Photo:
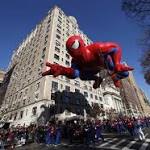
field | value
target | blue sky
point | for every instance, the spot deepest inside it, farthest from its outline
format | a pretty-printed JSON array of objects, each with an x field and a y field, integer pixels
[{"x": 101, "y": 20}]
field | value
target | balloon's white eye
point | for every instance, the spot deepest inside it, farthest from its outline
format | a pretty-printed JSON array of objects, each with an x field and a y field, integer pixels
[{"x": 76, "y": 44}]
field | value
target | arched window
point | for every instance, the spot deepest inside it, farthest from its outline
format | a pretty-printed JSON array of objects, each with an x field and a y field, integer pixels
[{"x": 34, "y": 110}]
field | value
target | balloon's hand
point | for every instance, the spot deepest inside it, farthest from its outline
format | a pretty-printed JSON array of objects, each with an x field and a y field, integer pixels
[{"x": 54, "y": 70}]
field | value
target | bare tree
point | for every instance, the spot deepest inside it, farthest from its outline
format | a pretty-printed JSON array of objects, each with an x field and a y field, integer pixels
[
  {"x": 139, "y": 10},
  {"x": 145, "y": 57},
  {"x": 145, "y": 63}
]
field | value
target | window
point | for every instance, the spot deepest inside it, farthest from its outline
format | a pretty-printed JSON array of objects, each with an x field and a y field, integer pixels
[
  {"x": 53, "y": 96},
  {"x": 11, "y": 115},
  {"x": 77, "y": 90},
  {"x": 58, "y": 31},
  {"x": 67, "y": 56},
  {"x": 24, "y": 102},
  {"x": 60, "y": 17},
  {"x": 54, "y": 86},
  {"x": 44, "y": 49},
  {"x": 77, "y": 83},
  {"x": 100, "y": 98},
  {"x": 43, "y": 52},
  {"x": 101, "y": 106},
  {"x": 26, "y": 76},
  {"x": 49, "y": 20},
  {"x": 56, "y": 56},
  {"x": 57, "y": 49},
  {"x": 36, "y": 96},
  {"x": 86, "y": 94},
  {"x": 57, "y": 43},
  {"x": 45, "y": 42},
  {"x": 18, "y": 104},
  {"x": 41, "y": 65},
  {"x": 67, "y": 27},
  {"x": 67, "y": 63},
  {"x": 96, "y": 97},
  {"x": 67, "y": 33},
  {"x": 67, "y": 21},
  {"x": 46, "y": 37},
  {"x": 91, "y": 95},
  {"x": 57, "y": 36},
  {"x": 20, "y": 95},
  {"x": 34, "y": 110},
  {"x": 67, "y": 88},
  {"x": 58, "y": 25},
  {"x": 60, "y": 13},
  {"x": 47, "y": 30},
  {"x": 21, "y": 114},
  {"x": 59, "y": 21},
  {"x": 37, "y": 86},
  {"x": 55, "y": 62},
  {"x": 15, "y": 117}
]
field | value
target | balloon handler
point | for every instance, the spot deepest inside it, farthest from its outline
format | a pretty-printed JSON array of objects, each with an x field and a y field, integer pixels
[{"x": 89, "y": 60}]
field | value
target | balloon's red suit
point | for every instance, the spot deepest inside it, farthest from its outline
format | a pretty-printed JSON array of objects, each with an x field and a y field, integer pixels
[{"x": 88, "y": 60}]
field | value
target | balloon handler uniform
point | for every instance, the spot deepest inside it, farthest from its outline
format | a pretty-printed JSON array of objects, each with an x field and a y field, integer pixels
[{"x": 89, "y": 60}]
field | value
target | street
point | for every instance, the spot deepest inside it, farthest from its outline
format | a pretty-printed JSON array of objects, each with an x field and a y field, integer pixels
[{"x": 113, "y": 142}]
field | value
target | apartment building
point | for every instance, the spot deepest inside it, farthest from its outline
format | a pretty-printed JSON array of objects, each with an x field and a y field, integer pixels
[
  {"x": 2, "y": 90},
  {"x": 2, "y": 73},
  {"x": 130, "y": 95},
  {"x": 145, "y": 102},
  {"x": 29, "y": 94}
]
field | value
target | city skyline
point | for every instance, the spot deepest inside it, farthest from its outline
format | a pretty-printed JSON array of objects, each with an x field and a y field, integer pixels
[{"x": 117, "y": 26}]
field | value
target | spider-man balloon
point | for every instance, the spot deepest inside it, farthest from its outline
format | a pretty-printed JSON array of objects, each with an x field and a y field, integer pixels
[{"x": 88, "y": 60}]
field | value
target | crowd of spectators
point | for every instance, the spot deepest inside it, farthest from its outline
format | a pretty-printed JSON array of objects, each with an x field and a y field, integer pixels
[{"x": 89, "y": 132}]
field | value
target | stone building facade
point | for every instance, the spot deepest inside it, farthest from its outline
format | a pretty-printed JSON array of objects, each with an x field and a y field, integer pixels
[{"x": 29, "y": 94}]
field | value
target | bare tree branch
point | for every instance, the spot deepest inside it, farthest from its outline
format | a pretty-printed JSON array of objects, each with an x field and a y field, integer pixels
[{"x": 139, "y": 10}]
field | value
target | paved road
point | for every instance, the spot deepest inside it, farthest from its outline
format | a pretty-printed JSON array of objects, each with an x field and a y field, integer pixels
[{"x": 112, "y": 142}]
